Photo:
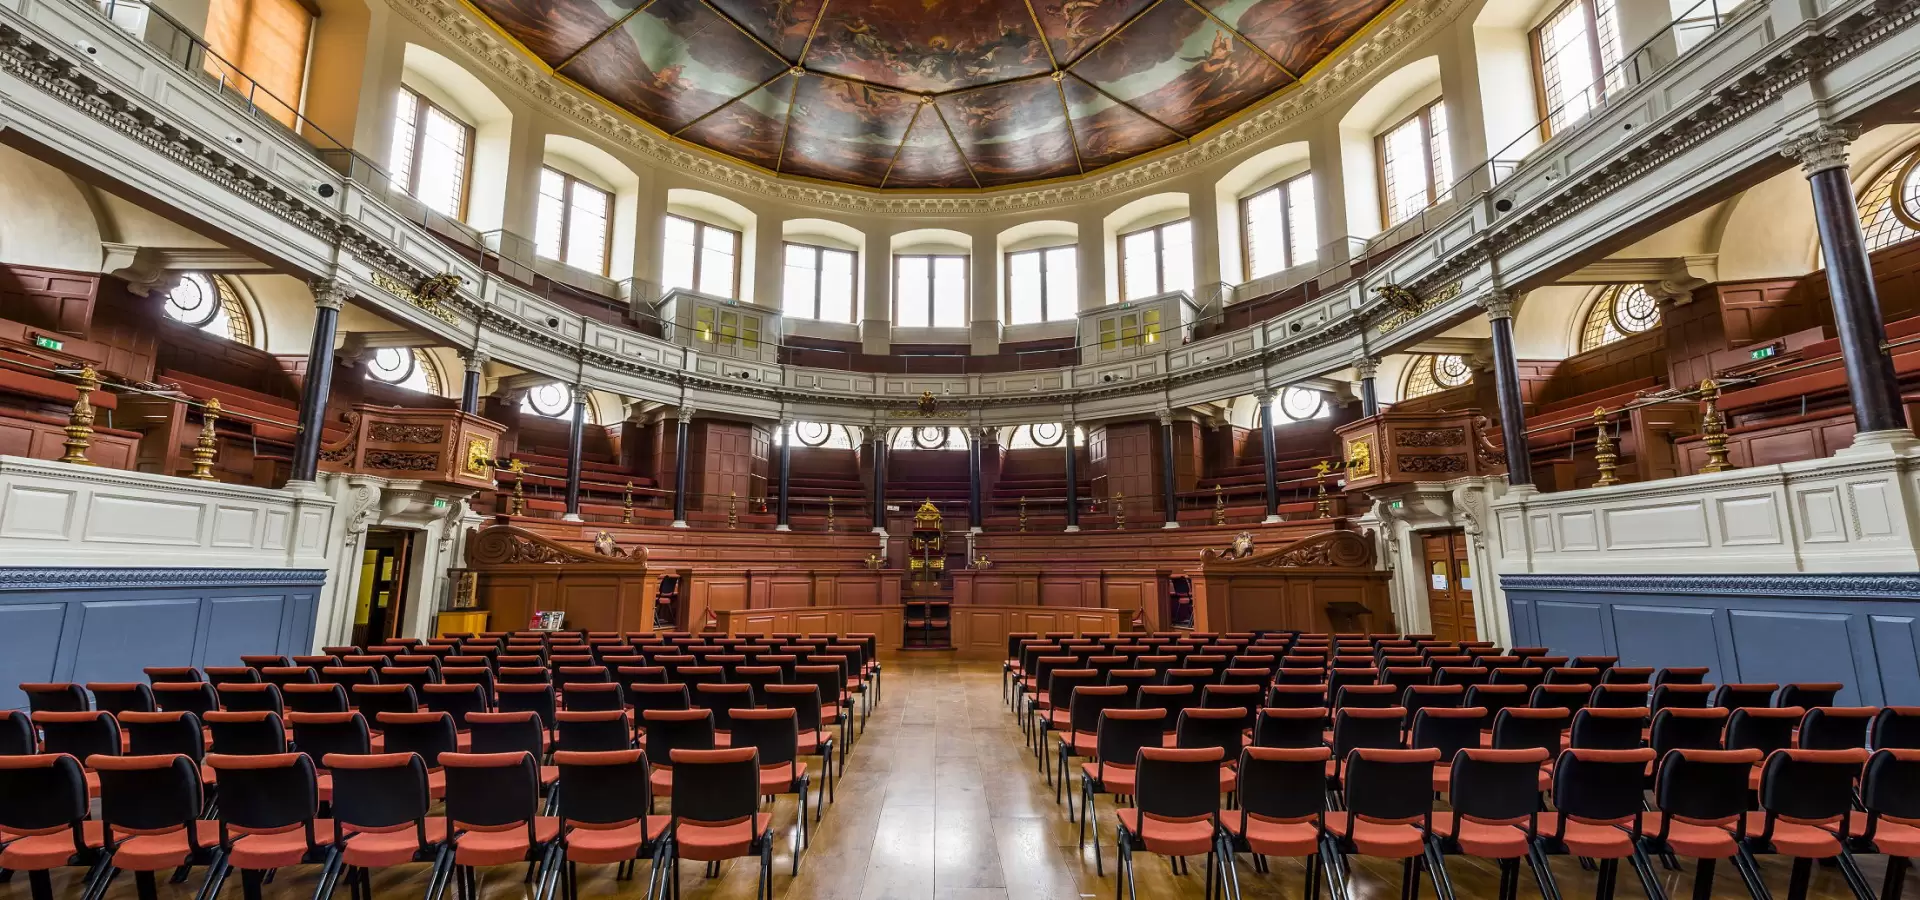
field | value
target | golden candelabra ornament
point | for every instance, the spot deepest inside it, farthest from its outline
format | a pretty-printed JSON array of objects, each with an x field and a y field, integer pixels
[
  {"x": 733, "y": 510},
  {"x": 204, "y": 448},
  {"x": 517, "y": 505},
  {"x": 1120, "y": 512},
  {"x": 1322, "y": 503},
  {"x": 829, "y": 512},
  {"x": 1023, "y": 514},
  {"x": 1713, "y": 429},
  {"x": 1219, "y": 506},
  {"x": 1604, "y": 457},
  {"x": 80, "y": 422},
  {"x": 626, "y": 505}
]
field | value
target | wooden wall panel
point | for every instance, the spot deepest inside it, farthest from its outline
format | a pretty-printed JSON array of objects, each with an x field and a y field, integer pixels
[
  {"x": 50, "y": 299},
  {"x": 1133, "y": 465}
]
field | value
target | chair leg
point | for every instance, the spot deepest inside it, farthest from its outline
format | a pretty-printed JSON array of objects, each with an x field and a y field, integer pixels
[
  {"x": 40, "y": 884},
  {"x": 1750, "y": 873},
  {"x": 1649, "y": 882},
  {"x": 1212, "y": 860},
  {"x": 1131, "y": 893},
  {"x": 1437, "y": 871},
  {"x": 1896, "y": 877},
  {"x": 1796, "y": 884},
  {"x": 1542, "y": 874},
  {"x": 1703, "y": 879},
  {"x": 1856, "y": 880}
]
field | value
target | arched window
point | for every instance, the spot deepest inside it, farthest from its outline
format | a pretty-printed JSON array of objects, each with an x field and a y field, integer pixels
[
  {"x": 1433, "y": 373},
  {"x": 816, "y": 435},
  {"x": 1298, "y": 404},
  {"x": 407, "y": 367},
  {"x": 1043, "y": 436},
  {"x": 929, "y": 437},
  {"x": 208, "y": 302},
  {"x": 552, "y": 400},
  {"x": 1890, "y": 207},
  {"x": 1619, "y": 311}
]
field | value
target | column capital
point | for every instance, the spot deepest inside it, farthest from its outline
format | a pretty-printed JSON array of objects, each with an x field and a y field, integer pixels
[
  {"x": 1165, "y": 416},
  {"x": 1366, "y": 366},
  {"x": 328, "y": 293},
  {"x": 1498, "y": 303},
  {"x": 476, "y": 359},
  {"x": 1820, "y": 148},
  {"x": 683, "y": 414}
]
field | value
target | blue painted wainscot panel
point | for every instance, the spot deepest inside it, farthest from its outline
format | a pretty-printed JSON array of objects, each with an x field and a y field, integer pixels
[
  {"x": 86, "y": 624},
  {"x": 1861, "y": 630}
]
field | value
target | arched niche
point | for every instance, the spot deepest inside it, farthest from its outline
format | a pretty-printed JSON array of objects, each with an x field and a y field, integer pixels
[
  {"x": 464, "y": 95},
  {"x": 1392, "y": 98},
  {"x": 1145, "y": 212},
  {"x": 603, "y": 170},
  {"x": 714, "y": 209},
  {"x": 1256, "y": 173}
]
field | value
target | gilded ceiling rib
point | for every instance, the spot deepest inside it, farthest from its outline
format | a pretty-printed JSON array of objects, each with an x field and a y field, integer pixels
[
  {"x": 812, "y": 30},
  {"x": 784, "y": 62},
  {"x": 750, "y": 92},
  {"x": 1066, "y": 115},
  {"x": 596, "y": 38},
  {"x": 1243, "y": 39},
  {"x": 1102, "y": 42},
  {"x": 787, "y": 132},
  {"x": 1041, "y": 32},
  {"x": 904, "y": 138},
  {"x": 1130, "y": 107},
  {"x": 956, "y": 143}
]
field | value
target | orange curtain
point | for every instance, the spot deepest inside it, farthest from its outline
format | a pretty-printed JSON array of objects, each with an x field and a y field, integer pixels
[{"x": 263, "y": 50}]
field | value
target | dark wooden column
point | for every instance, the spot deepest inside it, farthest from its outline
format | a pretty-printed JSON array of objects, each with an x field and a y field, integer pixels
[
  {"x": 1169, "y": 494},
  {"x": 1871, "y": 383},
  {"x": 576, "y": 435},
  {"x": 1073, "y": 486},
  {"x": 683, "y": 418},
  {"x": 880, "y": 479},
  {"x": 1269, "y": 466},
  {"x": 781, "y": 521},
  {"x": 1367, "y": 366},
  {"x": 328, "y": 297},
  {"x": 975, "y": 515},
  {"x": 470, "y": 389},
  {"x": 1506, "y": 384}
]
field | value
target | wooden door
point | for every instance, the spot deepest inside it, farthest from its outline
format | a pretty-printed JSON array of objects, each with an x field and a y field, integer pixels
[{"x": 1449, "y": 581}]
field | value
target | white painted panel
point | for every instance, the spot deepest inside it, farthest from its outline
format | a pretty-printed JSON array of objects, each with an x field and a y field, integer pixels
[
  {"x": 1821, "y": 521},
  {"x": 274, "y": 535},
  {"x": 1872, "y": 509},
  {"x": 234, "y": 526},
  {"x": 1682, "y": 524},
  {"x": 1542, "y": 533},
  {"x": 1512, "y": 539},
  {"x": 34, "y": 512},
  {"x": 1579, "y": 531},
  {"x": 117, "y": 519},
  {"x": 1749, "y": 520}
]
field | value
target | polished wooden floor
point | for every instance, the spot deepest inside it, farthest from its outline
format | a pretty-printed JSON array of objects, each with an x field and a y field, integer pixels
[{"x": 941, "y": 800}]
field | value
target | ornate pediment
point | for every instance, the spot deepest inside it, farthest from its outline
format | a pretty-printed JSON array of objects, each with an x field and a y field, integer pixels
[
  {"x": 507, "y": 545},
  {"x": 1326, "y": 550}
]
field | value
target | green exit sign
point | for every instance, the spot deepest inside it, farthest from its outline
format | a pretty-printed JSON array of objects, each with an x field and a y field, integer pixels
[
  {"x": 439, "y": 503},
  {"x": 1763, "y": 352},
  {"x": 47, "y": 343}
]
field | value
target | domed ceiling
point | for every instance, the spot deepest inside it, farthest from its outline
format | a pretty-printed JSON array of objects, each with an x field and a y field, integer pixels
[{"x": 917, "y": 94}]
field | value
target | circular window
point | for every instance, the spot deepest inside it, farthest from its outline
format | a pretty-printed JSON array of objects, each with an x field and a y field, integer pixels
[
  {"x": 1907, "y": 194},
  {"x": 1635, "y": 310},
  {"x": 193, "y": 301},
  {"x": 1298, "y": 403},
  {"x": 549, "y": 400},
  {"x": 812, "y": 434},
  {"x": 1047, "y": 434},
  {"x": 1451, "y": 371},
  {"x": 393, "y": 366},
  {"x": 929, "y": 437}
]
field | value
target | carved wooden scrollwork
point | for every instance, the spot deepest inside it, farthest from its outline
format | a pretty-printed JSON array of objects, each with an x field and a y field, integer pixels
[
  {"x": 1328, "y": 549},
  {"x": 506, "y": 545}
]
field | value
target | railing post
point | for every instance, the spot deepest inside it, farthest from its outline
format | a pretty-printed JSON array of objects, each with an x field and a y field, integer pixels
[
  {"x": 205, "y": 448},
  {"x": 80, "y": 420}
]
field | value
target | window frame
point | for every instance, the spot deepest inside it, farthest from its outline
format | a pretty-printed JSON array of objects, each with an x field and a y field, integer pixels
[
  {"x": 1159, "y": 256},
  {"x": 699, "y": 250},
  {"x": 422, "y": 103},
  {"x": 819, "y": 278},
  {"x": 1536, "y": 52},
  {"x": 1425, "y": 117},
  {"x": 1006, "y": 262},
  {"x": 566, "y": 220},
  {"x": 1285, "y": 187},
  {"x": 966, "y": 277}
]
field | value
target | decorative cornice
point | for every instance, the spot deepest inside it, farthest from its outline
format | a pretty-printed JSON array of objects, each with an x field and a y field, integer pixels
[
  {"x": 89, "y": 578},
  {"x": 1820, "y": 148},
  {"x": 1352, "y": 69},
  {"x": 1850, "y": 587}
]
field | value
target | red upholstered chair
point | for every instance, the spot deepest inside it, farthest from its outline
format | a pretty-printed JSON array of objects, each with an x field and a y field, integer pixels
[
  {"x": 1598, "y": 816},
  {"x": 493, "y": 814},
  {"x": 44, "y": 820},
  {"x": 774, "y": 734},
  {"x": 1281, "y": 812},
  {"x": 1388, "y": 811},
  {"x": 1700, "y": 799},
  {"x": 1176, "y": 811},
  {"x": 1806, "y": 805},
  {"x": 269, "y": 808},
  {"x": 1890, "y": 822},
  {"x": 604, "y": 815},
  {"x": 717, "y": 815},
  {"x": 1495, "y": 813},
  {"x": 150, "y": 814},
  {"x": 1119, "y": 737}
]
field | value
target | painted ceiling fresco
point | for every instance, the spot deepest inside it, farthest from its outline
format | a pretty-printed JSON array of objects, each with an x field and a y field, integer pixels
[{"x": 919, "y": 94}]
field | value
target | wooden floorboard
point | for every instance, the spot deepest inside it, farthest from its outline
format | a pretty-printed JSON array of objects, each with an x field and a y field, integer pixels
[{"x": 941, "y": 800}]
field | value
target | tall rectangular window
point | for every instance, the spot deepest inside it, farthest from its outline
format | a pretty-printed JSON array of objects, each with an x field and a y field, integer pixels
[
  {"x": 930, "y": 291},
  {"x": 819, "y": 283},
  {"x": 1576, "y": 53},
  {"x": 571, "y": 225},
  {"x": 1415, "y": 169},
  {"x": 1278, "y": 227},
  {"x": 1042, "y": 285},
  {"x": 260, "y": 52},
  {"x": 432, "y": 154},
  {"x": 1157, "y": 260},
  {"x": 701, "y": 257}
]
